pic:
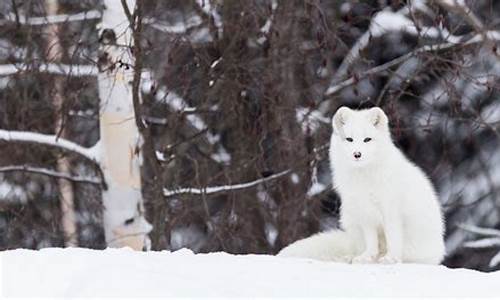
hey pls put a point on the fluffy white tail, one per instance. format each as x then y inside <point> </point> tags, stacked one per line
<point>337,245</point>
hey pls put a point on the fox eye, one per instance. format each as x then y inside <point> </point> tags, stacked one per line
<point>366,140</point>
<point>349,139</point>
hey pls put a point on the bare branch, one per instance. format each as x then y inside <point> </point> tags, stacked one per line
<point>52,173</point>
<point>127,12</point>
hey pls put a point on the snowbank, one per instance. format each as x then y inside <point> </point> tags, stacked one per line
<point>126,273</point>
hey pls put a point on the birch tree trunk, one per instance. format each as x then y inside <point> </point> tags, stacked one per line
<point>120,142</point>
<point>54,53</point>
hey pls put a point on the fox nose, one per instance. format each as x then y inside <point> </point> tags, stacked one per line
<point>357,155</point>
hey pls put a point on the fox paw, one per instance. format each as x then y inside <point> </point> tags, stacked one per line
<point>364,259</point>
<point>389,260</point>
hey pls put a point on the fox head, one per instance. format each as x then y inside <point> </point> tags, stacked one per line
<point>359,135</point>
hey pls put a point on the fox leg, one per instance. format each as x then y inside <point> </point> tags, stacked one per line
<point>394,238</point>
<point>370,237</point>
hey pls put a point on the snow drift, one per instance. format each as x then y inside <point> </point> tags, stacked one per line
<point>76,272</point>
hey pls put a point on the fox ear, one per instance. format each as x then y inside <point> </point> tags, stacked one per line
<point>378,118</point>
<point>340,118</point>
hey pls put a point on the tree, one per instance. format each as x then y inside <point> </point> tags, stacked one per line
<point>117,154</point>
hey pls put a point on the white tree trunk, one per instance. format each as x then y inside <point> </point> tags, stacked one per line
<point>120,141</point>
<point>54,54</point>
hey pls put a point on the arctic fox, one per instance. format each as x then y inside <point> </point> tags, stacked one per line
<point>390,212</point>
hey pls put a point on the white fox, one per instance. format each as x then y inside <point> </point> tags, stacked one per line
<point>390,212</point>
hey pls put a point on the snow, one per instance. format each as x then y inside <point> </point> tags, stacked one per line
<point>12,193</point>
<point>316,188</point>
<point>345,8</point>
<point>495,261</point>
<point>271,233</point>
<point>177,104</point>
<point>221,156</point>
<point>200,36</point>
<point>77,272</point>
<point>491,114</point>
<point>215,63</point>
<point>266,28</point>
<point>309,119</point>
<point>160,156</point>
<point>454,2</point>
<point>207,7</point>
<point>187,236</point>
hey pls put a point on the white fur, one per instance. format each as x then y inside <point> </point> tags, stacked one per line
<point>390,212</point>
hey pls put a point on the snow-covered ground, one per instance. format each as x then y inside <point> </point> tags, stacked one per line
<point>125,273</point>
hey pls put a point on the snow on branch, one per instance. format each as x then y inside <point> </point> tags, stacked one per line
<point>177,104</point>
<point>49,140</point>
<point>208,13</point>
<point>83,16</point>
<point>479,230</point>
<point>384,22</point>
<point>52,173</point>
<point>491,35</point>
<point>483,243</point>
<point>51,68</point>
<point>224,188</point>
<point>492,240</point>
<point>460,7</point>
<point>177,28</point>
<point>207,7</point>
<point>495,261</point>
<point>383,67</point>
<point>266,28</point>
<point>387,21</point>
